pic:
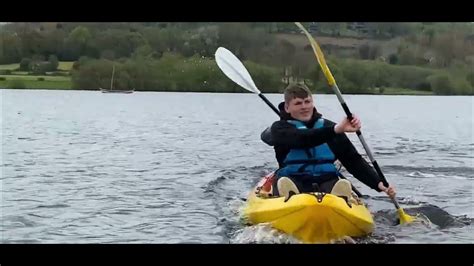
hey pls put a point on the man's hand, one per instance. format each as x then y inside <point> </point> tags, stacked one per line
<point>390,190</point>
<point>348,126</point>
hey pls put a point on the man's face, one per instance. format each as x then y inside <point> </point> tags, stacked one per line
<point>300,109</point>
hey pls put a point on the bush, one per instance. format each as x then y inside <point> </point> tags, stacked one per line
<point>266,78</point>
<point>424,86</point>
<point>319,83</point>
<point>441,84</point>
<point>39,71</point>
<point>5,72</point>
<point>171,72</point>
<point>38,58</point>
<point>2,79</point>
<point>470,78</point>
<point>462,87</point>
<point>17,84</point>
<point>25,64</point>
<point>410,77</point>
<point>53,63</point>
<point>407,57</point>
<point>93,74</point>
<point>107,54</point>
<point>371,52</point>
<point>393,59</point>
<point>357,77</point>
<point>364,51</point>
<point>40,79</point>
<point>381,74</point>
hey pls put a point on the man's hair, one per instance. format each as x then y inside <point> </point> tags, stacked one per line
<point>296,90</point>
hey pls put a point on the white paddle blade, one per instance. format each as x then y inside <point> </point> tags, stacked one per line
<point>234,69</point>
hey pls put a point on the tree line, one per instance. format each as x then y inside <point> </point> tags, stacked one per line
<point>179,56</point>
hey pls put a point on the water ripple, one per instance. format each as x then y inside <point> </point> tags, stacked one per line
<point>82,167</point>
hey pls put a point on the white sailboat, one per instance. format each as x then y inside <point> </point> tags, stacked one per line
<point>111,90</point>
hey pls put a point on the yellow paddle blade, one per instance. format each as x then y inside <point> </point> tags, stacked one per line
<point>319,55</point>
<point>404,218</point>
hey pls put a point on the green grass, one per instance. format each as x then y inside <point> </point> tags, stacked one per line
<point>63,65</point>
<point>19,72</point>
<point>400,91</point>
<point>29,77</point>
<point>34,84</point>
<point>9,66</point>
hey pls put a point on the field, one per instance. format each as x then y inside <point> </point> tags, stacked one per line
<point>21,79</point>
<point>63,65</point>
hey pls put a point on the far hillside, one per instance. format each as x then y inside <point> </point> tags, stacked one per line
<point>439,53</point>
<point>342,46</point>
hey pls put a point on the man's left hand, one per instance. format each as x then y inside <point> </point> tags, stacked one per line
<point>390,190</point>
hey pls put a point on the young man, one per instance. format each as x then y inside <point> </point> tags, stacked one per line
<point>307,145</point>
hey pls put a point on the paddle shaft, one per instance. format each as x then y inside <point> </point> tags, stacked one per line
<point>362,140</point>
<point>269,103</point>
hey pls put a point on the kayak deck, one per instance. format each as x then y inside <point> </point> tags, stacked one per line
<point>311,217</point>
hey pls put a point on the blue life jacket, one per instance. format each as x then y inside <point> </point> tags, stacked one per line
<point>315,161</point>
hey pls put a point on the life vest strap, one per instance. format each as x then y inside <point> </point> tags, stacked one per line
<point>309,162</point>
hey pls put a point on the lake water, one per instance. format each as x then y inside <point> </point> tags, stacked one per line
<point>156,167</point>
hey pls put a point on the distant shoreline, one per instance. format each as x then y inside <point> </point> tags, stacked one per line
<point>389,92</point>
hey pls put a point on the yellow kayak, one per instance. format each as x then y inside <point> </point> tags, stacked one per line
<point>310,217</point>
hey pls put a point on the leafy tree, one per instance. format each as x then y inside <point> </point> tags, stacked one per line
<point>53,62</point>
<point>25,64</point>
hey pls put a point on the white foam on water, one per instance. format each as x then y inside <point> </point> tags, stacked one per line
<point>262,234</point>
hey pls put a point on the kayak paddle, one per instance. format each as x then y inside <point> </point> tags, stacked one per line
<point>404,218</point>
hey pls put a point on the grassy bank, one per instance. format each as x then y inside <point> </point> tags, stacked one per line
<point>34,82</point>
<point>176,73</point>
<point>400,91</point>
<point>66,85</point>
<point>34,77</point>
<point>60,82</point>
<point>385,91</point>
<point>63,65</point>
<point>9,67</point>
<point>22,80</point>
